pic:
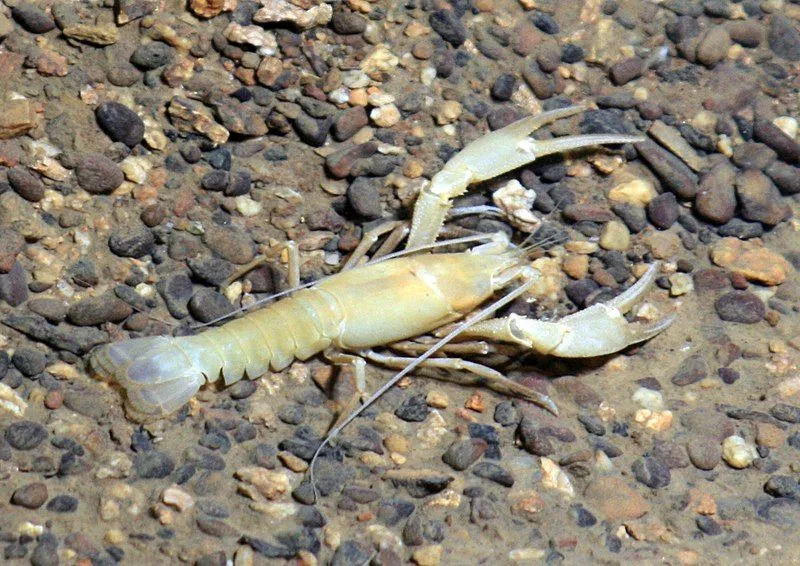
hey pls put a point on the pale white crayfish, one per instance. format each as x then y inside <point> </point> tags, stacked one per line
<point>397,297</point>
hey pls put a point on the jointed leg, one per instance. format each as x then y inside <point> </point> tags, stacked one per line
<point>470,374</point>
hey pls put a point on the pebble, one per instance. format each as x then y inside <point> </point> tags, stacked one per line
<point>663,210</point>
<point>98,175</point>
<point>14,285</point>
<point>30,496</point>
<point>636,192</point>
<point>737,453</point>
<point>704,453</point>
<point>25,435</point>
<point>153,465</point>
<point>615,236</point>
<point>785,177</point>
<point>92,311</point>
<point>120,123</point>
<point>672,172</point>
<point>652,472</point>
<point>786,413</point>
<point>614,500</point>
<point>29,361</point>
<point>771,135</point>
<point>783,37</point>
<point>716,199</point>
<point>503,87</point>
<point>364,198</point>
<point>350,121</point>
<point>414,409</point>
<point>760,199</point>
<point>207,305</point>
<point>33,18</point>
<point>627,70</point>
<point>463,453</point>
<point>691,370</point>
<point>348,23</point>
<point>753,155</point>
<point>713,46</point>
<point>27,185</point>
<point>176,290</point>
<point>152,55</point>
<point>755,262</point>
<point>494,472</point>
<point>231,245</point>
<point>63,504</point>
<point>740,306</point>
<point>448,26</point>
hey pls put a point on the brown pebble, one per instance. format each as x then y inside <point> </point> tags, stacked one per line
<point>53,400</point>
<point>627,70</point>
<point>739,281</point>
<point>614,500</point>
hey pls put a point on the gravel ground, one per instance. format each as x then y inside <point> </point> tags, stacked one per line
<point>149,151</point>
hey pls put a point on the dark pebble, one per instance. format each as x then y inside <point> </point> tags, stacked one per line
<point>784,39</point>
<point>98,175</point>
<point>546,23</point>
<point>728,376</point>
<point>210,269</point>
<point>153,465</point>
<point>152,55</point>
<point>242,389</point>
<point>672,172</point>
<point>26,184</point>
<point>239,184</point>
<point>592,424</point>
<point>494,472</point>
<point>691,370</point>
<point>176,290</point>
<point>292,413</point>
<point>760,199</point>
<point>583,517</point>
<point>33,18</point>
<point>215,527</point>
<point>30,496</point>
<point>132,242</point>
<point>505,414</point>
<point>503,87</point>
<point>215,180</point>
<point>29,361</point>
<point>782,486</point>
<point>652,472</point>
<point>120,123</point>
<point>632,215</point>
<point>740,306</point>
<point>349,122</point>
<point>663,210</point>
<point>347,23</point>
<point>463,453</point>
<point>45,553</point>
<point>740,229</point>
<point>364,198</point>
<point>448,26</point>
<point>708,525</point>
<point>312,131</point>
<point>753,155</point>
<point>627,70</point>
<point>786,413</point>
<point>207,305</point>
<point>770,134</point>
<point>92,311</point>
<point>25,435</point>
<point>350,553</point>
<point>785,177</point>
<point>414,409</point>
<point>392,511</point>
<point>716,199</point>
<point>63,504</point>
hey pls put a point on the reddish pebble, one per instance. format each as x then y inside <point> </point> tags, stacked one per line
<point>739,281</point>
<point>53,400</point>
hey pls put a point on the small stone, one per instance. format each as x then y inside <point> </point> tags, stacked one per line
<point>97,174</point>
<point>414,409</point>
<point>448,26</point>
<point>637,192</point>
<point>737,453</point>
<point>614,500</point>
<point>652,472</point>
<point>14,285</point>
<point>30,496</point>
<point>153,465</point>
<point>674,174</point>
<point>503,87</point>
<point>713,46</point>
<point>784,39</point>
<point>785,177</point>
<point>716,199</point>
<point>769,435</point>
<point>385,116</point>
<point>363,196</point>
<point>663,210</point>
<point>25,435</point>
<point>348,23</point>
<point>27,185</point>
<point>101,34</point>
<point>346,124</point>
<point>463,453</point>
<point>760,199</point>
<point>494,472</point>
<point>16,117</point>
<point>63,504</point>
<point>615,236</point>
<point>627,70</point>
<point>752,155</point>
<point>92,311</point>
<point>33,18</point>
<point>704,452</point>
<point>29,361</point>
<point>692,370</point>
<point>770,134</point>
<point>120,123</point>
<point>755,262</point>
<point>740,306</point>
<point>152,55</point>
<point>430,555</point>
<point>231,245</point>
<point>786,413</point>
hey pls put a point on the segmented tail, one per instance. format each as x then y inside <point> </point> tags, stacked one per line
<point>159,374</point>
